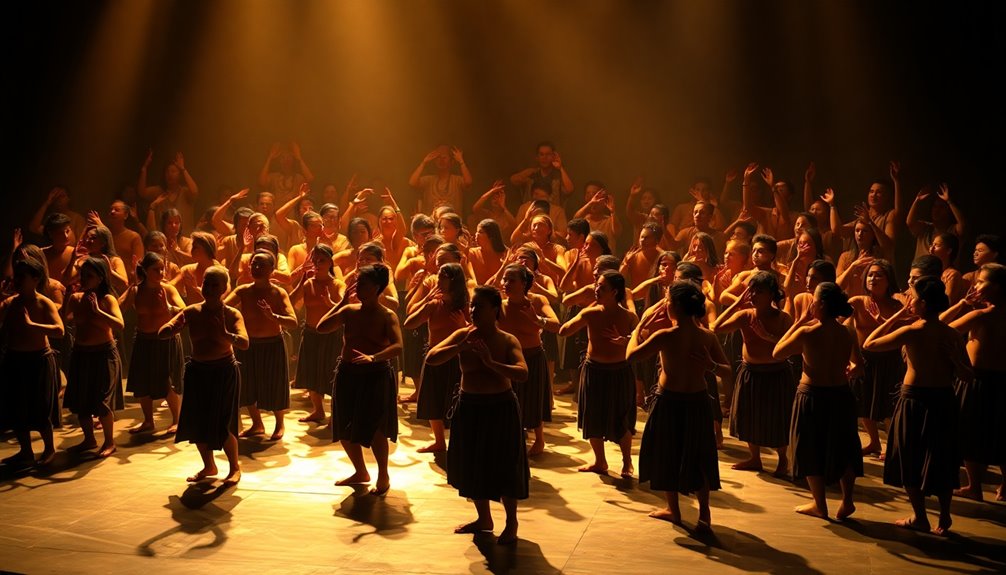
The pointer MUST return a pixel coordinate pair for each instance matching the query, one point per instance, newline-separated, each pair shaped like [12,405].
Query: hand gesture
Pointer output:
[611,334]
[351,185]
[973,298]
[637,186]
[92,302]
[148,159]
[863,261]
[430,157]
[924,192]
[303,190]
[247,238]
[556,160]
[944,193]
[481,350]
[180,161]
[731,176]
[745,297]
[275,150]
[862,212]
[895,169]
[387,197]
[266,309]
[18,238]
[361,358]
[810,173]
[93,218]
[828,197]
[458,155]
[872,309]
[295,149]
[768,176]
[749,171]
[82,250]
[240,195]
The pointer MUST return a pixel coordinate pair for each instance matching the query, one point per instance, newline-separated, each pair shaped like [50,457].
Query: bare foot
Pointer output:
[844,511]
[627,470]
[640,399]
[355,479]
[107,450]
[142,427]
[666,515]
[782,470]
[702,526]
[812,510]
[913,524]
[474,527]
[232,478]
[433,448]
[382,487]
[46,458]
[568,388]
[871,450]
[83,446]
[408,398]
[172,429]
[313,418]
[278,434]
[969,492]
[20,457]
[204,473]
[943,529]
[537,448]
[509,534]
[747,465]
[252,432]
[595,468]
[719,437]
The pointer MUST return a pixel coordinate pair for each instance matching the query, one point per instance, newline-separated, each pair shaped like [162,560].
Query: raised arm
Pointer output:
[264,173]
[466,176]
[915,225]
[734,316]
[37,220]
[304,170]
[190,184]
[960,225]
[282,221]
[808,186]
[418,172]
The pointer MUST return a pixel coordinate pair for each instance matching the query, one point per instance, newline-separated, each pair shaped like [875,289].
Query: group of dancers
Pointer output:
[754,324]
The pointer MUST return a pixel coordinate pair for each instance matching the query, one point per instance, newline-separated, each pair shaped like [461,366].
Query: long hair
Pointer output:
[458,285]
[892,280]
[100,267]
[107,239]
[712,258]
[491,229]
[149,259]
[170,213]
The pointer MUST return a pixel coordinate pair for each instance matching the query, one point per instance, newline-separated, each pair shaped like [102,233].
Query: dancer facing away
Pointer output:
[487,457]
[607,407]
[983,401]
[364,411]
[922,451]
[212,380]
[678,450]
[823,433]
[30,385]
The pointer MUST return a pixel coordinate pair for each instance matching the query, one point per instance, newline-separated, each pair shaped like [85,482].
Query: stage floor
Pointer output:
[134,511]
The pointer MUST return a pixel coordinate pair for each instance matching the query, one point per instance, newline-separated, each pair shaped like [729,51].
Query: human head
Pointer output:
[687,299]
[215,281]
[930,297]
[649,236]
[422,226]
[99,240]
[371,281]
[659,213]
[687,271]
[701,248]
[204,245]
[488,235]
[736,255]
[369,253]
[96,277]
[150,266]
[156,241]
[765,289]
[517,278]
[545,153]
[988,249]
[610,287]
[322,258]
[451,280]
[30,268]
[449,226]
[924,265]
[763,250]
[171,223]
[359,232]
[576,232]
[596,244]
[702,214]
[262,263]
[265,203]
[486,306]
[744,232]
[830,302]
[541,229]
[880,276]
[945,246]
[57,228]
[989,283]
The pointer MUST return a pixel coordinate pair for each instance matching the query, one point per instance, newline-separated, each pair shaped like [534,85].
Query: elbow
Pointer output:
[521,374]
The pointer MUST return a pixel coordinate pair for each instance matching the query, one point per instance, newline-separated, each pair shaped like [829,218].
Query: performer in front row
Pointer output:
[212,380]
[678,450]
[486,456]
[364,408]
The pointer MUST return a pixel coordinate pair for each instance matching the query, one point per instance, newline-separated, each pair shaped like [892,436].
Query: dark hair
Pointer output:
[952,242]
[154,235]
[172,213]
[995,244]
[996,273]
[749,227]
[491,228]
[663,209]
[379,274]
[705,207]
[242,212]
[454,219]
[928,265]
[601,240]
[458,288]
[545,143]
[825,268]
[530,254]
[579,225]
[617,283]
[655,291]
[325,208]
[267,241]
[35,269]
[329,253]
[107,238]
[360,222]
[54,221]
[374,249]
[206,242]
[307,216]
[836,303]
[148,259]
[653,227]
[451,249]
[433,241]
[492,295]
[933,292]
[766,240]
[689,271]
[765,280]
[263,252]
[607,262]
[892,280]
[712,258]
[525,275]
[100,267]
[687,298]
[422,222]
[27,251]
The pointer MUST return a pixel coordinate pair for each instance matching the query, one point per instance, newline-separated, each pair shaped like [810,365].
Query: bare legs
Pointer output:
[439,443]
[871,430]
[918,521]
[484,520]
[258,427]
[87,426]
[27,455]
[210,467]
[753,463]
[147,406]
[317,414]
[819,507]
[672,512]
[538,447]
[360,475]
[600,464]
[973,490]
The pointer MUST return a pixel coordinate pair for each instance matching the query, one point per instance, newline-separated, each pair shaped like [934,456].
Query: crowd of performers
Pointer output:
[790,325]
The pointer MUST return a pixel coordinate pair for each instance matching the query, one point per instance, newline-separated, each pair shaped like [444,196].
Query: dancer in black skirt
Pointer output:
[363,398]
[209,416]
[983,400]
[922,454]
[487,457]
[678,450]
[607,406]
[30,383]
[823,433]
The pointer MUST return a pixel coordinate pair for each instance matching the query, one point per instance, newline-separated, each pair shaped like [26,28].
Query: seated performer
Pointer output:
[487,457]
[678,450]
[212,380]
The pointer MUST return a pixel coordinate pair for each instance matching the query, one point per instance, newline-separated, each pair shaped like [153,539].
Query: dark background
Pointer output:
[669,90]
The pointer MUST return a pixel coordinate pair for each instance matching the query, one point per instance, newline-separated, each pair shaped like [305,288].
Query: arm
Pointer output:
[733,317]
[421,312]
[886,338]
[808,186]
[514,369]
[263,176]
[891,230]
[418,172]
[449,347]
[916,226]
[636,351]
[960,225]
[52,325]
[576,324]
[173,326]
[111,318]
[332,319]
[791,342]
[547,319]
[632,213]
[281,220]
[522,177]
[567,183]
[141,184]
[304,170]
[466,176]
[190,184]
[35,226]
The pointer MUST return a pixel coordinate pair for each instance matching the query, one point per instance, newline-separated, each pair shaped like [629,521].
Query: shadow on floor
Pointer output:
[195,516]
[741,550]
[389,515]
[522,557]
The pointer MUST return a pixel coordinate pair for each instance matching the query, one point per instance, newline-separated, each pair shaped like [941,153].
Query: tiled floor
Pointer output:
[134,511]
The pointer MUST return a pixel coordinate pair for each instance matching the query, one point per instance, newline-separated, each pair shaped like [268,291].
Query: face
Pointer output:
[157,246]
[646,200]
[443,280]
[422,235]
[761,297]
[939,249]
[444,257]
[701,216]
[331,219]
[257,225]
[545,156]
[648,240]
[89,279]
[983,254]
[365,258]
[24,282]
[513,283]
[734,259]
[540,230]
[914,275]
[800,225]
[387,219]
[697,250]
[574,239]
[443,159]
[358,235]
[261,267]
[702,189]
[877,280]
[591,247]
[172,226]
[61,236]
[315,227]
[666,267]
[603,292]
[813,279]
[657,216]
[782,189]
[214,286]
[482,238]
[820,211]
[265,204]
[985,288]
[761,256]
[875,197]
[321,260]
[155,273]
[366,290]
[92,241]
[590,191]
[306,206]
[864,235]
[804,245]
[172,175]
[448,230]
[741,234]
[118,212]
[524,259]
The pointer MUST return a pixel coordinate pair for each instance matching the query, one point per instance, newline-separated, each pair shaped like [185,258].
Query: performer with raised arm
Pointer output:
[487,456]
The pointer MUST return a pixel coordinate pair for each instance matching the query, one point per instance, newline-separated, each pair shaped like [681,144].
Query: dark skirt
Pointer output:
[534,395]
[210,408]
[363,402]
[762,404]
[574,347]
[63,346]
[825,433]
[438,386]
[94,384]
[414,345]
[607,405]
[156,366]
[877,390]
[922,442]
[678,450]
[316,361]
[550,342]
[29,390]
[487,455]
[983,417]
[713,387]
[265,379]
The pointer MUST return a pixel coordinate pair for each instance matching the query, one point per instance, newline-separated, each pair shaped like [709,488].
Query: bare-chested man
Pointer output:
[59,252]
[607,408]
[210,414]
[763,252]
[364,413]
[487,457]
[30,384]
[128,243]
[265,380]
